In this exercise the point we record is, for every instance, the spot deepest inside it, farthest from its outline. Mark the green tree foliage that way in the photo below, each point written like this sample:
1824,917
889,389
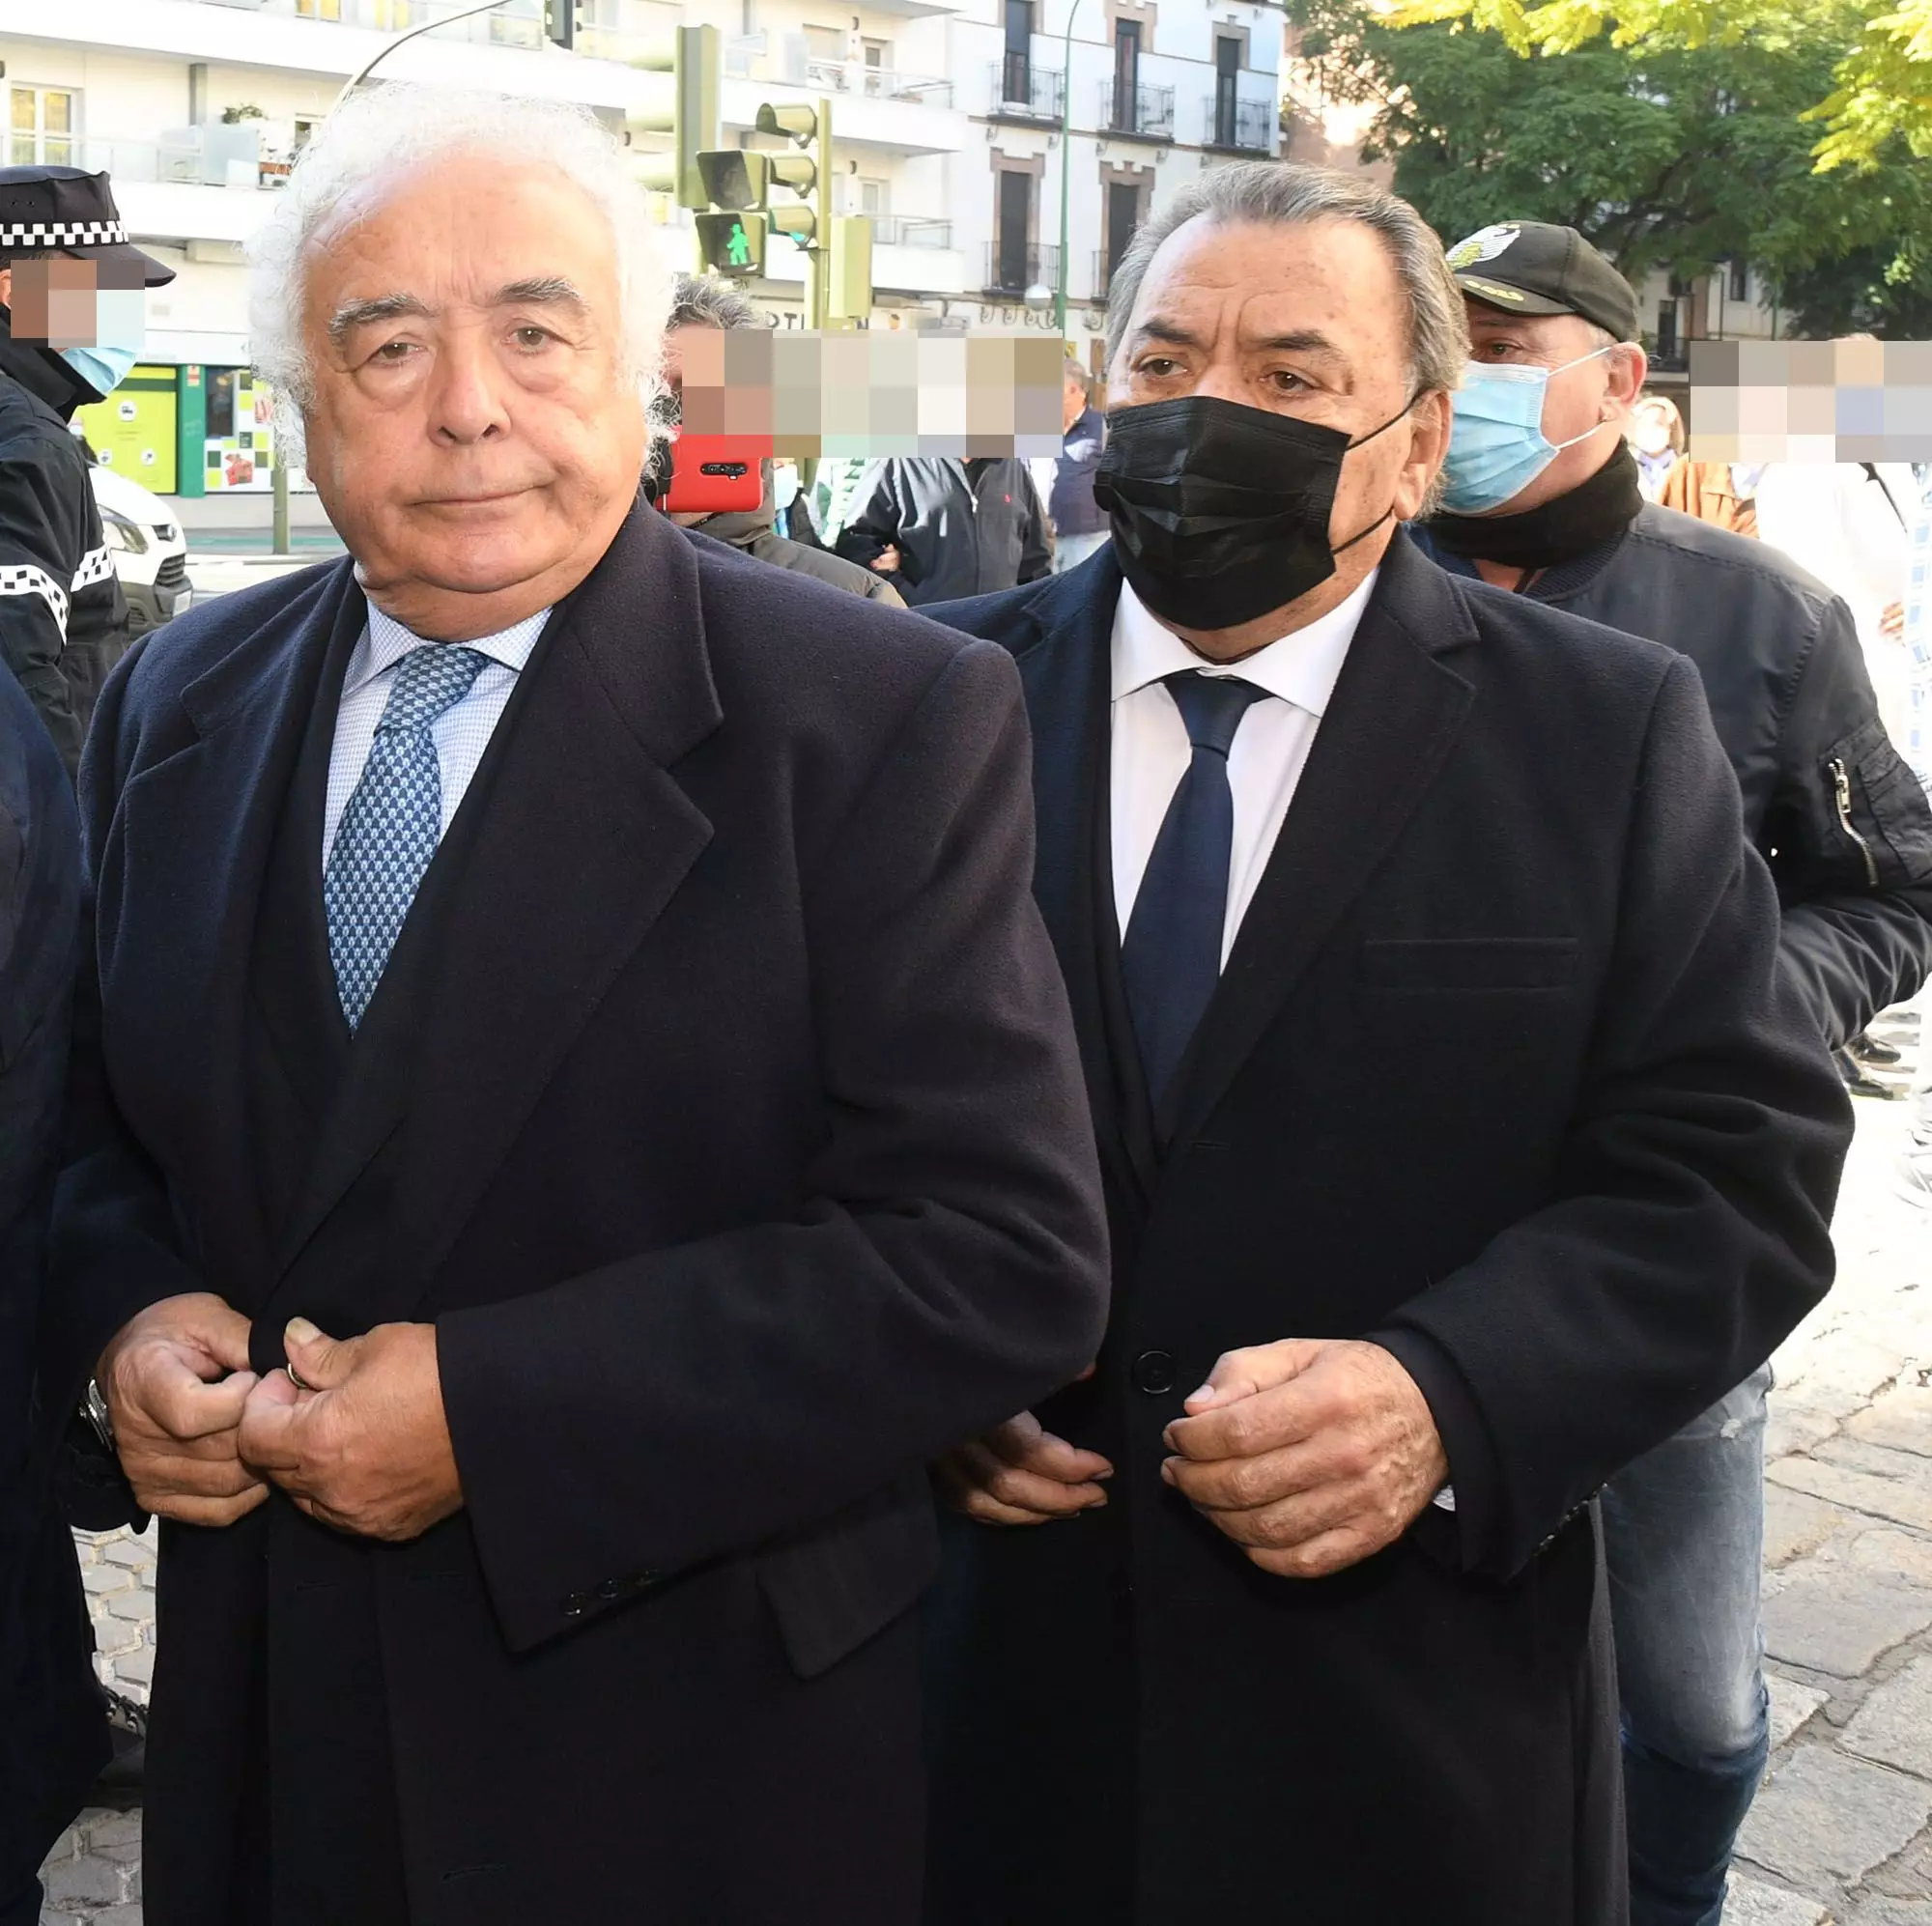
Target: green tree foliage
1666,157
1880,87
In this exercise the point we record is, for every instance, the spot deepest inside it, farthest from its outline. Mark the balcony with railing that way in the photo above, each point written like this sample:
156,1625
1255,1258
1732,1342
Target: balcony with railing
1236,125
1022,91
1137,113
911,230
1011,270
877,83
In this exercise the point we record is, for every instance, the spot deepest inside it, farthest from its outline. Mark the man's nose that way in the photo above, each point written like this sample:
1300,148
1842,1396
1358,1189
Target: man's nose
466,401
1222,380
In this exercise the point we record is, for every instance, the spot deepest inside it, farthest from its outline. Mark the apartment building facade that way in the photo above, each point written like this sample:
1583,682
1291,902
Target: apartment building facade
947,116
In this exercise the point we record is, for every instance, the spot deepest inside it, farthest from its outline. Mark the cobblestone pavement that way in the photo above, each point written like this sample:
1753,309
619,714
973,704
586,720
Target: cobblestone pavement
1841,1834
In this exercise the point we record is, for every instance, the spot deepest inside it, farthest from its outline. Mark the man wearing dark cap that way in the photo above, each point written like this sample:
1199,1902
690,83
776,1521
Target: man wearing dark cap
71,291
1541,498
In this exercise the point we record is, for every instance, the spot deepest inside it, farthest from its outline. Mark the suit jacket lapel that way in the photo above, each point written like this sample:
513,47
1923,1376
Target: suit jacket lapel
580,839
1396,710
185,1001
1068,683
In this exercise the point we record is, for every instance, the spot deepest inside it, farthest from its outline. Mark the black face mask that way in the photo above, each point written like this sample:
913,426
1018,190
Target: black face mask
1220,510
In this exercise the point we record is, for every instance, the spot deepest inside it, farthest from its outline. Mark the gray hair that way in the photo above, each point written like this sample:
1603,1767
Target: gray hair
696,300
1281,194
384,133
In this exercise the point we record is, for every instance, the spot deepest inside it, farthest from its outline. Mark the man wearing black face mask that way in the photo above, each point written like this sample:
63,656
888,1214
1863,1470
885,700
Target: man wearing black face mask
1325,1640
1542,499
63,618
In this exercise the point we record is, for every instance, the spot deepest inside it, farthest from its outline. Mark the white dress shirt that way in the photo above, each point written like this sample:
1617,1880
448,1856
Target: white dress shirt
1152,752
460,734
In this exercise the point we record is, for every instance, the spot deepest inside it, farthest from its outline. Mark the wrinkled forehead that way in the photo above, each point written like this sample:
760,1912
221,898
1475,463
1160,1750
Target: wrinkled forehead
1242,286
456,229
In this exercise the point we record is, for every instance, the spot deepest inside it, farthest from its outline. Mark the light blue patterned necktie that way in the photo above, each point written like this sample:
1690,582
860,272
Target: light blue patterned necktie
392,823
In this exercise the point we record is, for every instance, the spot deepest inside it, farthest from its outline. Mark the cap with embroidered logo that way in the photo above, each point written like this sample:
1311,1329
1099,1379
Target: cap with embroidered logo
68,210
1531,266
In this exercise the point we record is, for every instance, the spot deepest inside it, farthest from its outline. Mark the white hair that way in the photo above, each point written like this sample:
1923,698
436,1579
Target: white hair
382,134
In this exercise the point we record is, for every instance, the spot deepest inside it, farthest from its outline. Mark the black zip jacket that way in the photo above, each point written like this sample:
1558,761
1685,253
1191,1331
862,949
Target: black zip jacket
1829,803
63,618
961,528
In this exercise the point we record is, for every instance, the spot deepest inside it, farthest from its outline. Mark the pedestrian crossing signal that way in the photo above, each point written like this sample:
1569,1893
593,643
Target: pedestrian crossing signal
732,243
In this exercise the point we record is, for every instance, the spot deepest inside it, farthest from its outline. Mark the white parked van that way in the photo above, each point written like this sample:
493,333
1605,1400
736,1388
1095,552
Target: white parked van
149,549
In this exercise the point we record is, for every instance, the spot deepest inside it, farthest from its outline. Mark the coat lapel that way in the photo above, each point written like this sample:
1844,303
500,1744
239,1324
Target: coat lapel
580,839
1396,710
1068,683
197,827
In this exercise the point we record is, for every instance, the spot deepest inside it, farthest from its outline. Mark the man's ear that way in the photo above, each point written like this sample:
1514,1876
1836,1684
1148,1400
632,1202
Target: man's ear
1627,367
6,285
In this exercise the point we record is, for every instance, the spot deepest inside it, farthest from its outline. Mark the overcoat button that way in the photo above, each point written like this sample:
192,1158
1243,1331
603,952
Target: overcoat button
1153,1371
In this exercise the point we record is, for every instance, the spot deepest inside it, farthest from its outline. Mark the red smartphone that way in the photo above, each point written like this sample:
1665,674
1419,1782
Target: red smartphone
716,474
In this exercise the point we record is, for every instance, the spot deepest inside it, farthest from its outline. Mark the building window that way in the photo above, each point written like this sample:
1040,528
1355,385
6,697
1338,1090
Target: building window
1123,215
1666,330
319,10
1012,268
1227,69
46,121
1016,78
1739,289
1127,74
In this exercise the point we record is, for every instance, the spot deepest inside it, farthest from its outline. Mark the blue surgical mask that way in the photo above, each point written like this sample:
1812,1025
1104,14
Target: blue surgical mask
103,368
1497,446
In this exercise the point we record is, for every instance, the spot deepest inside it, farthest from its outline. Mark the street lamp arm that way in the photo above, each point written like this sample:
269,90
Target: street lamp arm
382,53
1066,161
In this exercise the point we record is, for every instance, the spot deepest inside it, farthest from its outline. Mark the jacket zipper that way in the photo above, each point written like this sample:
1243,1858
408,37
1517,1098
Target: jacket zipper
1841,789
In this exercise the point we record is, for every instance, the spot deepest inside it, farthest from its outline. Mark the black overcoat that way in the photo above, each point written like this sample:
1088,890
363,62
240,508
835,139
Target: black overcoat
719,1105
1499,1074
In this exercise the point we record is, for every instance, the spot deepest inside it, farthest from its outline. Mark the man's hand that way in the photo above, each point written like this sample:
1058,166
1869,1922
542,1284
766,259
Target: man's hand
355,1431
175,1406
1891,621
1313,1454
1021,1475
887,560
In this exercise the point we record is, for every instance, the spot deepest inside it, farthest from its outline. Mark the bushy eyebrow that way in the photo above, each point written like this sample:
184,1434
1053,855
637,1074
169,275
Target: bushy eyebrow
1303,341
539,291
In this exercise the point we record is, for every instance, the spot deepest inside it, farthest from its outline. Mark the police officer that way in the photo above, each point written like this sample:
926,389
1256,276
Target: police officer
63,618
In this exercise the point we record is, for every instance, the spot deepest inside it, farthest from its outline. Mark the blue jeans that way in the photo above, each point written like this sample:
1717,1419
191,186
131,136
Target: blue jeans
1684,1534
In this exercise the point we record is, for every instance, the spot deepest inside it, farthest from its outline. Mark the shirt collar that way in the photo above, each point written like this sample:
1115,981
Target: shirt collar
1300,668
386,643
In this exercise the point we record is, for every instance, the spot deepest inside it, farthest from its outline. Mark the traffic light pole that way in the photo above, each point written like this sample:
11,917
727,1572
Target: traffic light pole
818,304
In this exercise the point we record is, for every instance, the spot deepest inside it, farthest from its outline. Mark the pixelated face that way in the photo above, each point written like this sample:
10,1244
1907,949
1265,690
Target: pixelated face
70,304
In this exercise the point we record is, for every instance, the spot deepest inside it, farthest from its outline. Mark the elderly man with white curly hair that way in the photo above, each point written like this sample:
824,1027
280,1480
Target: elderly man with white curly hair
573,1105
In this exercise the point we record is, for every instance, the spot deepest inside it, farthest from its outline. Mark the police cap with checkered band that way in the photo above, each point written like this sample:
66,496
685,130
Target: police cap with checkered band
68,210
1531,266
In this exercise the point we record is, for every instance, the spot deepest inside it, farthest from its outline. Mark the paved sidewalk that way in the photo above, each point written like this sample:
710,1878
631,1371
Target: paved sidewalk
1841,1834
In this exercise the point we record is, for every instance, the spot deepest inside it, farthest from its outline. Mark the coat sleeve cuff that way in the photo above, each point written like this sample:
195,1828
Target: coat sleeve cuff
1460,1535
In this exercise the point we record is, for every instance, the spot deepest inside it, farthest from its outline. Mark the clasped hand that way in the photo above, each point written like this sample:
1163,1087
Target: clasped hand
364,1447
1311,1455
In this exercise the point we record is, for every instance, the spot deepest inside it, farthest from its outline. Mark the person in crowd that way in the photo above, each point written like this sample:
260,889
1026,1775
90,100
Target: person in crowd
573,1106
1724,493
53,1739
1541,498
1656,439
1079,523
700,302
1322,1634
63,618
1915,1161
939,527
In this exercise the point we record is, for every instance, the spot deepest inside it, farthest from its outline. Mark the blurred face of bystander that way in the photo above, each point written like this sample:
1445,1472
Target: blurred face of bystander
476,431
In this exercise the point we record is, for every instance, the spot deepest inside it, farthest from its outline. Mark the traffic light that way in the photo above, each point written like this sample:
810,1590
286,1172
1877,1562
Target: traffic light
732,243
682,100
851,292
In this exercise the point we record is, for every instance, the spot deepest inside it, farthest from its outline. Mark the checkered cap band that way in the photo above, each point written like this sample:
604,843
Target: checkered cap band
64,234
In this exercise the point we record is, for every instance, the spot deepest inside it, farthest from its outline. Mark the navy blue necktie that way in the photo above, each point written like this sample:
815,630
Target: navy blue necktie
1171,957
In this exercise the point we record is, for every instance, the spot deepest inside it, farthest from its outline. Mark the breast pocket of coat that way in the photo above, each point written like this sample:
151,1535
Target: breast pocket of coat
1469,965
